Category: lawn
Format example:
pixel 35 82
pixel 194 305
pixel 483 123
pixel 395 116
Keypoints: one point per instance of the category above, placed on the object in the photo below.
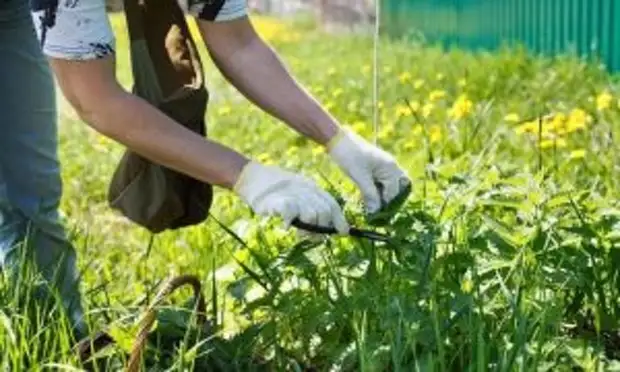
pixel 506 255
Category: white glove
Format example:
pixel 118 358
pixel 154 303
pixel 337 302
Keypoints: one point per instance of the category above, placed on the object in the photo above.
pixel 368 166
pixel 270 191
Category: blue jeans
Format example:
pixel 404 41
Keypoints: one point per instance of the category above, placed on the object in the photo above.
pixel 30 182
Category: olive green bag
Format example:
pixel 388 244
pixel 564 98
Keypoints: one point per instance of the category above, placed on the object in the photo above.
pixel 168 73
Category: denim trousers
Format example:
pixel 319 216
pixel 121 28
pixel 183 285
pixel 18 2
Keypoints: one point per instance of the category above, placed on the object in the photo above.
pixel 30 178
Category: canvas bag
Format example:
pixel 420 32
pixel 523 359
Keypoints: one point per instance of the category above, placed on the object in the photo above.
pixel 167 73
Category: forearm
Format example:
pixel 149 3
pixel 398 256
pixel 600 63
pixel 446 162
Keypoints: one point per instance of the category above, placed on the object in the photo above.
pixel 104 105
pixel 155 136
pixel 259 74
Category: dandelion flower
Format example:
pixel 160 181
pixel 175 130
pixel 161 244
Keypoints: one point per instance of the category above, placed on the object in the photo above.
pixel 603 101
pixel 527 127
pixel 403 111
pixel 578 154
pixel 461 107
pixel 577 119
pixel 386 132
pixel 434 133
pixel 512 117
pixel 436 95
pixel 555 123
pixel 467 286
pixel 404 78
pixel 427 109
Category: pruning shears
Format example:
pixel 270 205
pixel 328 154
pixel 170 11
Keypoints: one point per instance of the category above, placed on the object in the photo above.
pixel 353 231
pixel 381 217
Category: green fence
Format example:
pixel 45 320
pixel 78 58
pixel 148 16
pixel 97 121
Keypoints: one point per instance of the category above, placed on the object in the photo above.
pixel 590 28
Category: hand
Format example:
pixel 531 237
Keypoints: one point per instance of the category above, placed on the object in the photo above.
pixel 375 172
pixel 270 191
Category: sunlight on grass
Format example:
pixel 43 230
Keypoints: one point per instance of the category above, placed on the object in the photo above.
pixel 504 258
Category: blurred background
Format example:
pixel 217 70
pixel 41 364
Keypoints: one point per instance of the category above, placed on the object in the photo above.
pixel 587 28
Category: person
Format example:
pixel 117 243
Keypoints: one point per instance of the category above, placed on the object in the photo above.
pixel 33 240
pixel 80 46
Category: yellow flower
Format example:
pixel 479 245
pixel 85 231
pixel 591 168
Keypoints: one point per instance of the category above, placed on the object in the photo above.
pixel 418 84
pixel 404 77
pixel 603 101
pixel 436 95
pixel 434 133
pixel 527 127
pixel 548 143
pixel 578 154
pixel 554 123
pixel 467 286
pixel 427 109
pixel 403 110
pixel 577 119
pixel 461 107
pixel 417 129
pixel 512 117
pixel 386 132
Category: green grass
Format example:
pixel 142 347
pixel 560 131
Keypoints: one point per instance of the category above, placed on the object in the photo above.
pixel 506 256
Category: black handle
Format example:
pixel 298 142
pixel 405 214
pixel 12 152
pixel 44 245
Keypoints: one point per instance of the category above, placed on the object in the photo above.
pixel 353 231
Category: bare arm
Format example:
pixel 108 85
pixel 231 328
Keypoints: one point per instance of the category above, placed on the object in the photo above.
pixel 92 89
pixel 257 72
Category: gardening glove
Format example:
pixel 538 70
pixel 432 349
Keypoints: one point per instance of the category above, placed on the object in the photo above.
pixel 384 185
pixel 272 191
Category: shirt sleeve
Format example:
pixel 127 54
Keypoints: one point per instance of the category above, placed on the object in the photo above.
pixel 215 10
pixel 76 30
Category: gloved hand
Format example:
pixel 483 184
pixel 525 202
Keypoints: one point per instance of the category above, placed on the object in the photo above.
pixel 376 173
pixel 272 191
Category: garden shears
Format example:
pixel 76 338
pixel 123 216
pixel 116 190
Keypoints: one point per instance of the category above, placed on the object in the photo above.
pixel 381 217
pixel 353 231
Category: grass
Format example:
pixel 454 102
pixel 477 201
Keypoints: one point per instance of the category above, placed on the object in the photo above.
pixel 506 256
